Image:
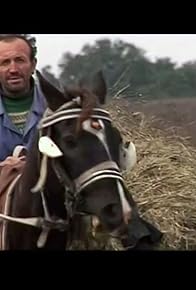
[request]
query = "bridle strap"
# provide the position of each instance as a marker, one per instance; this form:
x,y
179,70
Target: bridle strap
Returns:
x,y
50,119
99,177
107,169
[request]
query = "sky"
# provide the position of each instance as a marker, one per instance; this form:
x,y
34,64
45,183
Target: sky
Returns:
x,y
179,48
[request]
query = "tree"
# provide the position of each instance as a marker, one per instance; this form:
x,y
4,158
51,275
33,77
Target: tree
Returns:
x,y
117,61
128,70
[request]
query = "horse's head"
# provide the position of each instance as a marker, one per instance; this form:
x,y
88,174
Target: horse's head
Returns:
x,y
85,150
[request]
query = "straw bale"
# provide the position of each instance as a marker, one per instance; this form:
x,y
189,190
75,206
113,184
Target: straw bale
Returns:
x,y
163,183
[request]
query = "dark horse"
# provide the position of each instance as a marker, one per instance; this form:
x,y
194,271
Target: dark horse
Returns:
x,y
73,171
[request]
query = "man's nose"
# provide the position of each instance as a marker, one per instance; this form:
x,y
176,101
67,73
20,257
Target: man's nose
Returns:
x,y
13,67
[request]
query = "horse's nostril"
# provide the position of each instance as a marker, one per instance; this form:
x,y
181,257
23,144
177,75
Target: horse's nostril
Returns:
x,y
111,215
112,210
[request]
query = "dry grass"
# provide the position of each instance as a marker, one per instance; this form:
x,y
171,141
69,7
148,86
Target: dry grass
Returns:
x,y
163,183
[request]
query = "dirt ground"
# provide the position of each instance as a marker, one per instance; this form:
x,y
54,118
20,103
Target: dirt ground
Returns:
x,y
175,116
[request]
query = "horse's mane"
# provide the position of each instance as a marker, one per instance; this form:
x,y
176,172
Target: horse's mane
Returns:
x,y
89,98
88,102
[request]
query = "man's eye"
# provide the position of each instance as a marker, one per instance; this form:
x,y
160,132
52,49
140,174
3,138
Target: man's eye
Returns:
x,y
4,62
19,60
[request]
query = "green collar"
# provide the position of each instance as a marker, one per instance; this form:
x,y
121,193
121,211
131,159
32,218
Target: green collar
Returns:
x,y
18,104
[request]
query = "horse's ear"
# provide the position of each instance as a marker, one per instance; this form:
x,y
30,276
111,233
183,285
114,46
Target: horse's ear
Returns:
x,y
53,96
97,84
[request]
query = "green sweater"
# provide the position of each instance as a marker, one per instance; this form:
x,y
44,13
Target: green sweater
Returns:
x,y
18,109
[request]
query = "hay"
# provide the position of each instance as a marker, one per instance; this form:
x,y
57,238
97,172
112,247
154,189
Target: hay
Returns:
x,y
163,183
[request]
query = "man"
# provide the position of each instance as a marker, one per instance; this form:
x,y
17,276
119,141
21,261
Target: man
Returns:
x,y
21,101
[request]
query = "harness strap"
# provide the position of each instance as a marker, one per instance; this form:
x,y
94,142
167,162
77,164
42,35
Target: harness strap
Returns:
x,y
51,118
35,222
68,117
98,167
107,169
38,222
7,210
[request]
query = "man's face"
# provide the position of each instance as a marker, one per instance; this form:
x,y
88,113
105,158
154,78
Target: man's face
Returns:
x,y
16,66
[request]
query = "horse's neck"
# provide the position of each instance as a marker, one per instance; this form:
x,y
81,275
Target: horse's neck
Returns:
x,y
31,170
53,192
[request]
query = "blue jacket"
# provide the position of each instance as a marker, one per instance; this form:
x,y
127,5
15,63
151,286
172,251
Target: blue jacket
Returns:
x,y
10,137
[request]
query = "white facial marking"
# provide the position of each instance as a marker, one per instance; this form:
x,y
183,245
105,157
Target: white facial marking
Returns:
x,y
125,205
100,134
